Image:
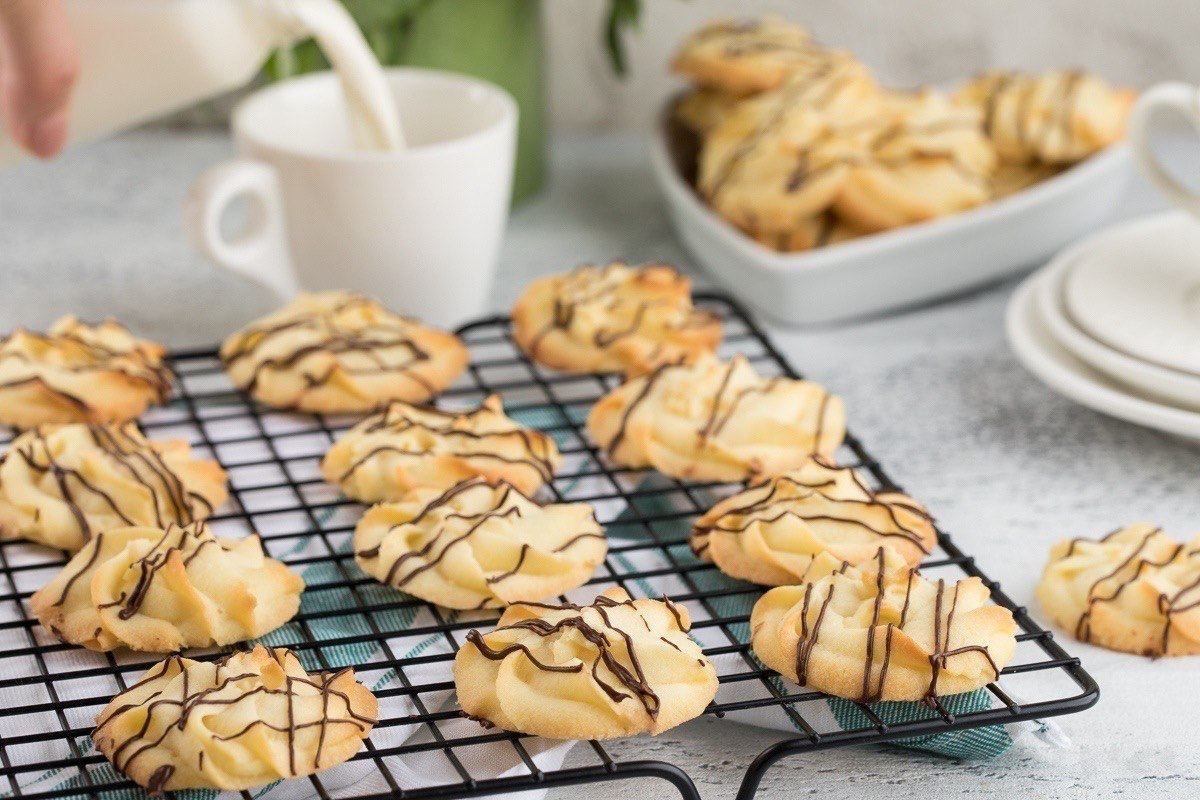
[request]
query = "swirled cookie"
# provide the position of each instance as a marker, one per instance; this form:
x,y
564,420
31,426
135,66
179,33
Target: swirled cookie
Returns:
x,y
618,667
808,233
79,373
62,484
614,318
751,56
716,420
405,447
340,352
1012,178
1136,590
929,161
775,532
1056,117
160,590
479,545
881,631
783,156
248,719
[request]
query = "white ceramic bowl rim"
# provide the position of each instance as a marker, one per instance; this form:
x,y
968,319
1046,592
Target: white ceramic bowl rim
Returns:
x,y
504,112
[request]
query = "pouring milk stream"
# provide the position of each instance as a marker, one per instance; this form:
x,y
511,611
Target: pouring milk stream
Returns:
x,y
141,59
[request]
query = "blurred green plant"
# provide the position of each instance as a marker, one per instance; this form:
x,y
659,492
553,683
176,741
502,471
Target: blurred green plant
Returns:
x,y
497,40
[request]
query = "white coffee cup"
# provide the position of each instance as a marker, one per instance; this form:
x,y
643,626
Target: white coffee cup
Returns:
x,y
1183,100
418,229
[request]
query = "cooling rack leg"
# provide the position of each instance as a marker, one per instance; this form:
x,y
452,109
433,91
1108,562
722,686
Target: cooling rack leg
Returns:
x,y
759,766
659,769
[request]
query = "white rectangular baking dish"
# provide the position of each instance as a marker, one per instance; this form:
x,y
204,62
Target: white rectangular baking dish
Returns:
x,y
892,270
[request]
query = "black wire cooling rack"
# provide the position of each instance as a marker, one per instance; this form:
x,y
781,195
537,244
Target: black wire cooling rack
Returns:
x,y
51,691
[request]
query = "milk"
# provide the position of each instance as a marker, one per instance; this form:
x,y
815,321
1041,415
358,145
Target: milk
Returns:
x,y
141,59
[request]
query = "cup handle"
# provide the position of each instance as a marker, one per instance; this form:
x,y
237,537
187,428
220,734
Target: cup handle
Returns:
x,y
260,252
1183,99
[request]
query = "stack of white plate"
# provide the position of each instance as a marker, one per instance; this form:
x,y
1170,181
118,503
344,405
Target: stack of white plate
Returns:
x,y
1114,323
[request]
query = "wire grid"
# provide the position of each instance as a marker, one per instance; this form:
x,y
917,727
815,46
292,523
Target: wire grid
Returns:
x,y
49,687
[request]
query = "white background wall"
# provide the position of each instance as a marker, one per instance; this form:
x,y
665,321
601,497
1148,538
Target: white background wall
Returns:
x,y
906,42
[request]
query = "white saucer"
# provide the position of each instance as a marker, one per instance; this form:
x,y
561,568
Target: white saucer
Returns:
x,y
1053,365
1161,383
1140,292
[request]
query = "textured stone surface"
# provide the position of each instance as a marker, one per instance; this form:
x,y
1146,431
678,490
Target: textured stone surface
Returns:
x,y
1006,465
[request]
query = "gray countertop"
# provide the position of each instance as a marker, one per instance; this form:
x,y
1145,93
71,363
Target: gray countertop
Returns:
x,y
1006,465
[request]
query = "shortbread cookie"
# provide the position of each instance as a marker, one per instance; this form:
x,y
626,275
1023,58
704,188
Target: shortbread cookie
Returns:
x,y
243,721
751,56
479,545
701,110
79,373
614,318
883,632
1136,590
60,485
406,447
160,590
1056,117
772,533
716,420
808,233
618,667
339,352
783,156
930,161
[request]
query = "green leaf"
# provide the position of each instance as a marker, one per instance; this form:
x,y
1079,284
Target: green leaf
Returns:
x,y
622,15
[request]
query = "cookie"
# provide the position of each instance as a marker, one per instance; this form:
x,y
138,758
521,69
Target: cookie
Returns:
x,y
783,156
618,667
774,533
701,110
1055,117
1136,590
1010,178
808,233
60,485
931,160
479,545
243,721
161,590
716,420
614,318
78,372
406,447
881,631
751,56
338,352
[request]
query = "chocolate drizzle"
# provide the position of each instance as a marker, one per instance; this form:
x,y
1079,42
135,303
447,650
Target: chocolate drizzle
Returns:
x,y
130,455
385,341
456,434
182,702
79,356
809,501
616,670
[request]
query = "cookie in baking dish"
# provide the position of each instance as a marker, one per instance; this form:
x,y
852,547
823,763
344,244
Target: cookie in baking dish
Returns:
x,y
60,485
479,545
701,110
1136,590
749,56
245,720
881,631
77,372
405,447
716,420
163,589
929,160
783,156
617,667
340,352
1054,117
613,318
775,533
